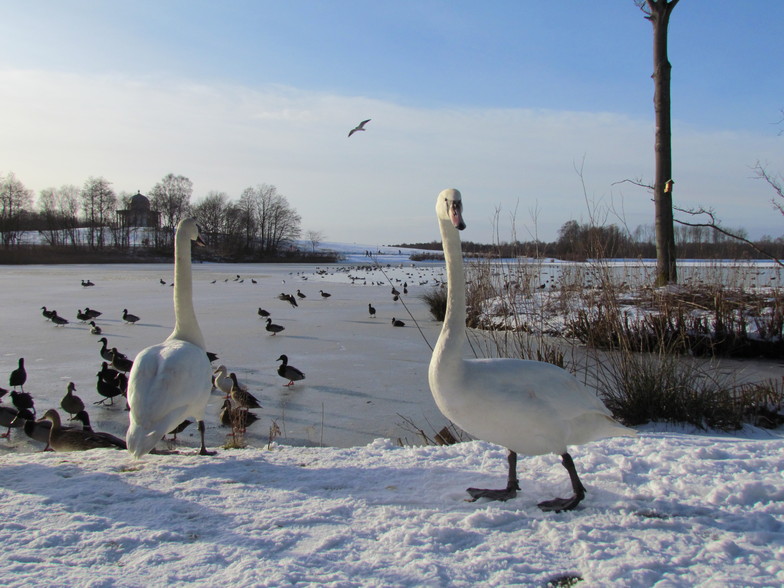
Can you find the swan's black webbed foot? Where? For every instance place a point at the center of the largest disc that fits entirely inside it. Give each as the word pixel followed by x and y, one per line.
pixel 501 495
pixel 561 504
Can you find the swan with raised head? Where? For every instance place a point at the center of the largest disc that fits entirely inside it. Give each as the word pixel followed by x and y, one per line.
pixel 528 407
pixel 170 381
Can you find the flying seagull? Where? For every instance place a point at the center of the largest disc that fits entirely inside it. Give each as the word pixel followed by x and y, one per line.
pixel 359 127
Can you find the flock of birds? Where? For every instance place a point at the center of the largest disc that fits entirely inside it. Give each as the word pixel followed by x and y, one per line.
pixel 116 367
pixel 529 407
pixel 49 429
pixel 112 379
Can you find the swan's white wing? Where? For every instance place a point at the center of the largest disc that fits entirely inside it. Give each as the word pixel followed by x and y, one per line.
pixel 536 383
pixel 531 407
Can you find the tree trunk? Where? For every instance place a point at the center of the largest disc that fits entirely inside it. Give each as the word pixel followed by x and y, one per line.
pixel 659 15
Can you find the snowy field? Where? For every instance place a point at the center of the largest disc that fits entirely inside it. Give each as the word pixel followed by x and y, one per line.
pixel 335 501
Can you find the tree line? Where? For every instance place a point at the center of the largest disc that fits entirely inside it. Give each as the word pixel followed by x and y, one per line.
pixel 580 241
pixel 261 222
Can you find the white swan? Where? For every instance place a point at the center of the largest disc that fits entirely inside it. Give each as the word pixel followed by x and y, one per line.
pixel 529 407
pixel 170 381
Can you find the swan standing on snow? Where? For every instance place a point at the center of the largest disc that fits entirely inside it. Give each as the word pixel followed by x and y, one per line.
pixel 171 381
pixel 529 407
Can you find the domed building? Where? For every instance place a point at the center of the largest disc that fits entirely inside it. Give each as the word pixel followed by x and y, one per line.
pixel 138 213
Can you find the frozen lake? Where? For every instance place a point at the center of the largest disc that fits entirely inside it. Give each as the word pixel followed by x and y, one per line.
pixel 365 378
pixel 361 371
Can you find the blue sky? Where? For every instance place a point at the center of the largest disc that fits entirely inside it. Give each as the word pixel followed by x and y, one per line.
pixel 504 100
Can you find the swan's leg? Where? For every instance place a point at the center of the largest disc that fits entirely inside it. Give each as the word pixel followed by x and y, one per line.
pixel 512 485
pixel 203 450
pixel 559 504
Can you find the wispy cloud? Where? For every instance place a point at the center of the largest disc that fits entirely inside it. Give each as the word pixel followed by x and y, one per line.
pixel 378 186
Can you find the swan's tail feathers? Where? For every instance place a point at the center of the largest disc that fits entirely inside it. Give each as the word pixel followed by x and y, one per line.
pixel 615 429
pixel 594 426
pixel 141 441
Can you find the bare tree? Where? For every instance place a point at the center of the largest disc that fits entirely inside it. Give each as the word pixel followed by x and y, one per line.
pixel 315 237
pixel 266 203
pixel 706 218
pixel 210 212
pixel 171 198
pixel 99 203
pixel 775 182
pixel 711 222
pixel 281 224
pixel 275 221
pixel 15 202
pixel 68 207
pixel 49 210
pixel 246 211
pixel 658 13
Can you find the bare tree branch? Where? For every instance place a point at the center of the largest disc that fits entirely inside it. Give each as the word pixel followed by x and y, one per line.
pixel 638 183
pixel 780 121
pixel 713 224
pixel 773 182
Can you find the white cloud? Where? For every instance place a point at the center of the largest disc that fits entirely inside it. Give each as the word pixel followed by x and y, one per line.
pixel 378 186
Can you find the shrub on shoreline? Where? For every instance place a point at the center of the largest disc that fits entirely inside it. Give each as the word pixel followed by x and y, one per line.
pixel 645 342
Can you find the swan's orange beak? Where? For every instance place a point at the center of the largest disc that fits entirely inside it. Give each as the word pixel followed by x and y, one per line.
pixel 199 241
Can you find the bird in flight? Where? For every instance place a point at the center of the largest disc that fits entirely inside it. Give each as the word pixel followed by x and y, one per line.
pixel 359 127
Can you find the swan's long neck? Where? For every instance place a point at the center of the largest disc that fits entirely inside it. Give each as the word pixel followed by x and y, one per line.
pixel 186 327
pixel 450 342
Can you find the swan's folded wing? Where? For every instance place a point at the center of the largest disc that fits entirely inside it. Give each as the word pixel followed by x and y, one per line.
pixel 169 382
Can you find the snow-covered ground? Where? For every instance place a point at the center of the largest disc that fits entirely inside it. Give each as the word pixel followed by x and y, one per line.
pixel 662 509
pixel 670 507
